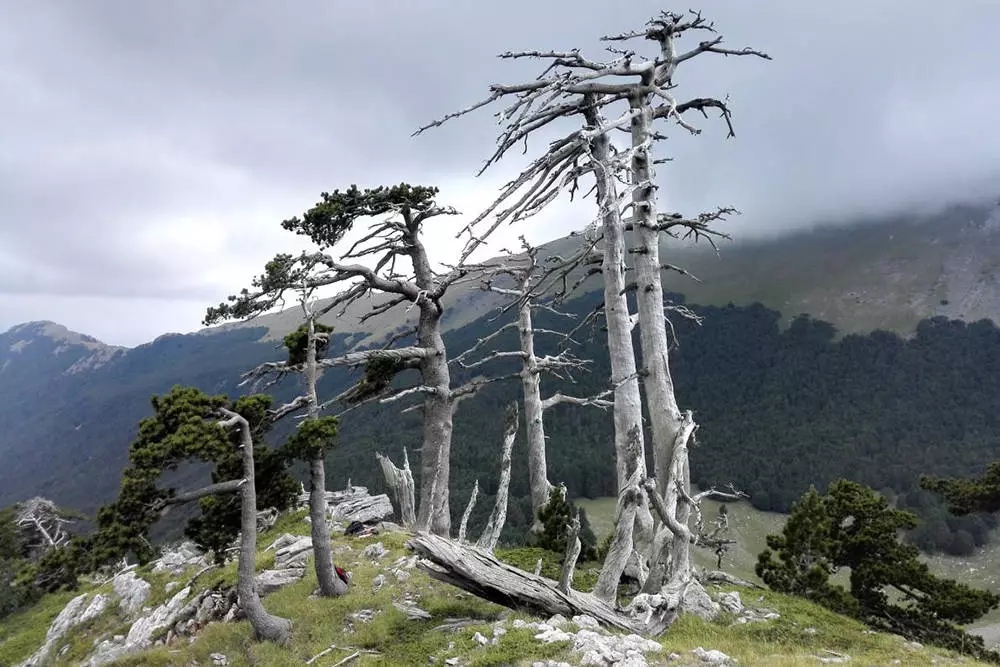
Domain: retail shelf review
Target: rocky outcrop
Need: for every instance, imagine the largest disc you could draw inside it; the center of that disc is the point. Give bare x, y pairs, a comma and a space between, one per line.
79, 610
132, 591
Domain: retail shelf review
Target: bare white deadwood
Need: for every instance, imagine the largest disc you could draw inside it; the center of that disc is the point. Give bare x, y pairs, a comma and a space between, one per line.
572, 553
401, 483
523, 272
43, 524
464, 525
474, 570
498, 517
574, 85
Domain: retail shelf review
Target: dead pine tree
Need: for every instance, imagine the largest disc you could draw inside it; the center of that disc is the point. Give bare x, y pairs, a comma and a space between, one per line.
516, 277
572, 85
314, 435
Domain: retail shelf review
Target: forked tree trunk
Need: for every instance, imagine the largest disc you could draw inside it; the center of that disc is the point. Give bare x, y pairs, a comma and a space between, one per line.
330, 585
627, 401
265, 626
498, 517
538, 476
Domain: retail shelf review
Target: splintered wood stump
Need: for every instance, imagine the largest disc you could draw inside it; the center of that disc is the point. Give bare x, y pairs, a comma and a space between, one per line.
480, 573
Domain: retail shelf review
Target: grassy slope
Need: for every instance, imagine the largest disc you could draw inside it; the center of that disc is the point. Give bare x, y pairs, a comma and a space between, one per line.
750, 527
320, 623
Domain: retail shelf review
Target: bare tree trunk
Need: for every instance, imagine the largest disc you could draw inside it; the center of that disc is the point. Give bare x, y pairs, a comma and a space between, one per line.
330, 585
628, 404
621, 549
498, 517
538, 476
572, 553
435, 460
468, 512
265, 626
401, 483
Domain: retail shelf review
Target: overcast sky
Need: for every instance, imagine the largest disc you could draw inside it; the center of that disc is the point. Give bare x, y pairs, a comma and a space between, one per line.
149, 150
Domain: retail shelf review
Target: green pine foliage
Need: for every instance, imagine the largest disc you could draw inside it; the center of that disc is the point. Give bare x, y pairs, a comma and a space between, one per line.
854, 528
966, 496
183, 429
555, 517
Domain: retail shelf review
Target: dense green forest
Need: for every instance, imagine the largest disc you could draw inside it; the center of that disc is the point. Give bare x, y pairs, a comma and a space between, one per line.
781, 405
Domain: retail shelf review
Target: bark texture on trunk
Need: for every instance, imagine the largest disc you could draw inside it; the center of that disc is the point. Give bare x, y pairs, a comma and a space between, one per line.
401, 483
480, 573
538, 476
265, 626
434, 513
664, 415
330, 584
498, 517
464, 525
629, 441
573, 547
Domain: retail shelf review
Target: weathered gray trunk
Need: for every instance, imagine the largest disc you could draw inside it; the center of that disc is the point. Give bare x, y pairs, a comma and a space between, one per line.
627, 401
434, 513
330, 585
265, 626
498, 517
664, 415
401, 483
572, 553
464, 525
538, 476
481, 574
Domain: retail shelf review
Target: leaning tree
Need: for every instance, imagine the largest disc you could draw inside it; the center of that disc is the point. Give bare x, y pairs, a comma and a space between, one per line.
189, 425
574, 86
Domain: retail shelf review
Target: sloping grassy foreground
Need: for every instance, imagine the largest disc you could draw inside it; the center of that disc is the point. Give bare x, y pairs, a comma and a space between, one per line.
802, 634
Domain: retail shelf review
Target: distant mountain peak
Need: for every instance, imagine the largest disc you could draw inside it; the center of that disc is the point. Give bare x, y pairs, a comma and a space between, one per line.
54, 331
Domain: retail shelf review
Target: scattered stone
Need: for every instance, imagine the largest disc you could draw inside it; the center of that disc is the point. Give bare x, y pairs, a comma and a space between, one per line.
913, 645
557, 621
401, 575
282, 541
362, 508
553, 635
365, 615
730, 601
378, 583
810, 631
712, 656
374, 551
171, 585
480, 639
294, 554
456, 624
140, 635
180, 558
406, 562
588, 622
452, 661
219, 659
269, 581
413, 612
133, 591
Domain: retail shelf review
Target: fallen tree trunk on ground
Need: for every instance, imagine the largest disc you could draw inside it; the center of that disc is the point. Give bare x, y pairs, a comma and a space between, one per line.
480, 573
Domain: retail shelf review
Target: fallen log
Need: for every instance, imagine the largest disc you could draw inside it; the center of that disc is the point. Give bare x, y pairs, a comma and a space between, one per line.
474, 570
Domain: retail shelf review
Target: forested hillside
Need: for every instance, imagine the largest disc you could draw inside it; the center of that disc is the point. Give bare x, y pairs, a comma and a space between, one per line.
781, 407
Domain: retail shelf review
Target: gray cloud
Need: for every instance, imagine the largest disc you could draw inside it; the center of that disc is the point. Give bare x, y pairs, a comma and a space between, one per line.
149, 149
